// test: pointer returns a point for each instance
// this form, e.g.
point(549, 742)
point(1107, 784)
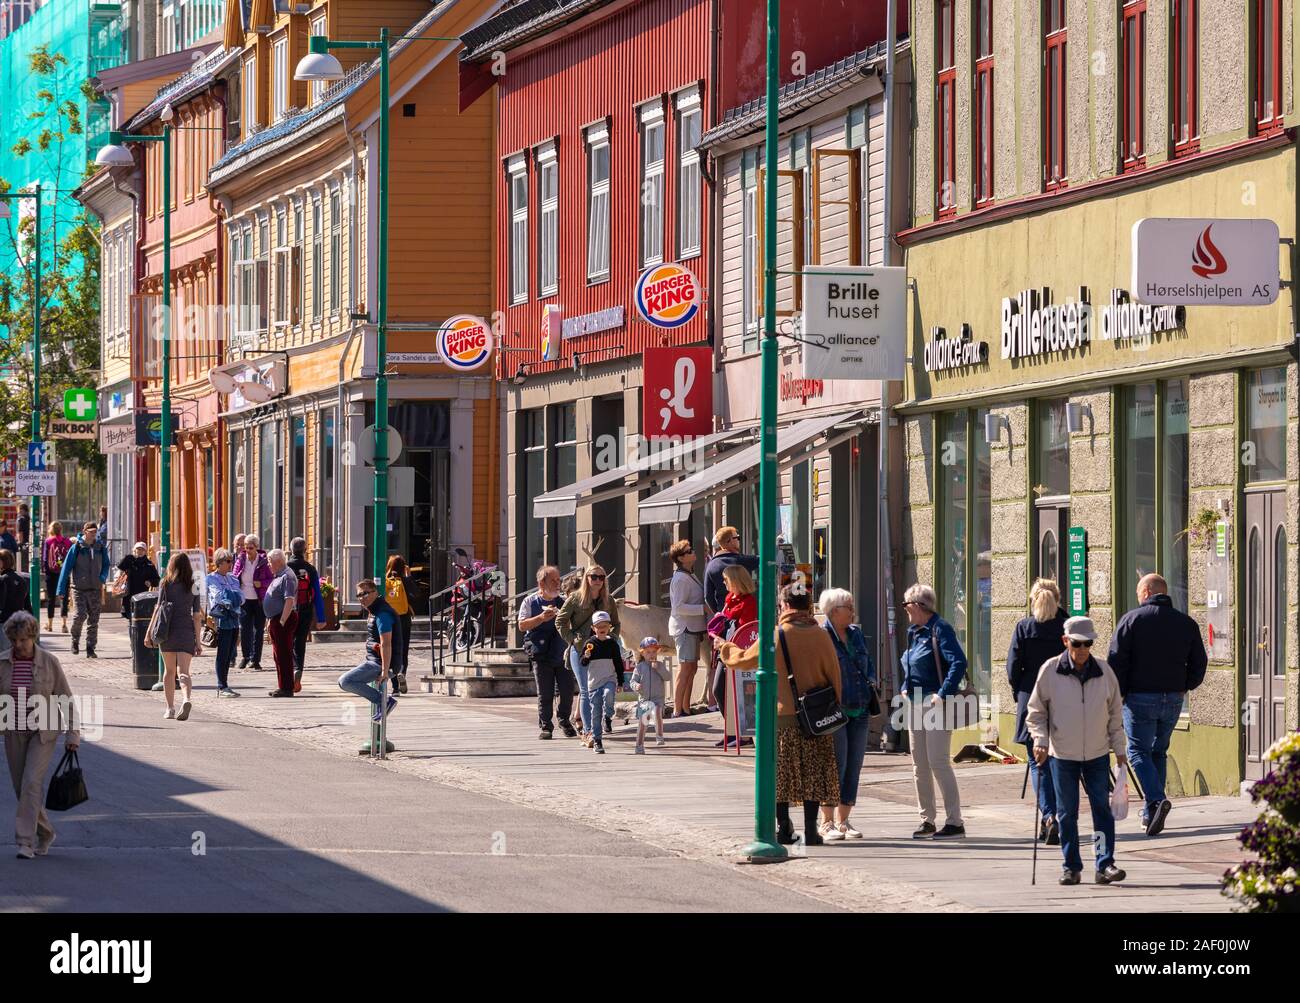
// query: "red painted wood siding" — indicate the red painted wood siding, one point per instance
point(607, 70)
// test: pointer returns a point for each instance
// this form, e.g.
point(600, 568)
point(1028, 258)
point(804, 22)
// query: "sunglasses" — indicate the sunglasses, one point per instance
point(365, 592)
point(1080, 644)
point(595, 578)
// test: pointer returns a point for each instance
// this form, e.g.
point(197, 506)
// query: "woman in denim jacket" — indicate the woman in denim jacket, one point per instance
point(225, 604)
point(857, 678)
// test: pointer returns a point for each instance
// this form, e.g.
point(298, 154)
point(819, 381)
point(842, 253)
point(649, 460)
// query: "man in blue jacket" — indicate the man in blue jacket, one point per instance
point(86, 569)
point(726, 552)
point(1157, 655)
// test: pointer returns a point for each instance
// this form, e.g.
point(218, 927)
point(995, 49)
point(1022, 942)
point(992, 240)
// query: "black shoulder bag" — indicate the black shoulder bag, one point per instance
point(819, 711)
point(67, 786)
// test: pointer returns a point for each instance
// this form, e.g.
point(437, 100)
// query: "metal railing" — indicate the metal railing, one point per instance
point(469, 619)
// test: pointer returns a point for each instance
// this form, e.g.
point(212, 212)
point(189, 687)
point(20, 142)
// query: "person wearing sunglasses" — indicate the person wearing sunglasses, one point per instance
point(381, 622)
point(1076, 717)
point(574, 622)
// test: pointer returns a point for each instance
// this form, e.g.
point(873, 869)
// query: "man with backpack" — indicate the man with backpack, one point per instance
point(310, 605)
point(86, 569)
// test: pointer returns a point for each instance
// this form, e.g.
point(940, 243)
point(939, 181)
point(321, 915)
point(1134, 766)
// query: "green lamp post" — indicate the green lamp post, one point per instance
point(34, 533)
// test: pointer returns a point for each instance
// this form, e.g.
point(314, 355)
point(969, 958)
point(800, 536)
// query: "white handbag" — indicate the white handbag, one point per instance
point(1119, 796)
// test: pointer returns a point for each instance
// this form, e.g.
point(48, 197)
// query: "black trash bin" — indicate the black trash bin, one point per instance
point(144, 659)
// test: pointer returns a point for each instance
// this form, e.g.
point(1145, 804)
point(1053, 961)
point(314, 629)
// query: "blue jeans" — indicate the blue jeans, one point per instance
point(850, 748)
point(1041, 778)
point(1149, 719)
point(227, 640)
point(584, 698)
point(601, 696)
point(1095, 774)
point(358, 681)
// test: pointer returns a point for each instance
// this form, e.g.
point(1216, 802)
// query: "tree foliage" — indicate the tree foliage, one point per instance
point(69, 293)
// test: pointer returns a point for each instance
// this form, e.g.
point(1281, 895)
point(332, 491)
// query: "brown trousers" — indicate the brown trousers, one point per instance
point(29, 762)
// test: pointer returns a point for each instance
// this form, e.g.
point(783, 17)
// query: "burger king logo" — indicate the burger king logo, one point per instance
point(668, 295)
point(465, 342)
point(552, 332)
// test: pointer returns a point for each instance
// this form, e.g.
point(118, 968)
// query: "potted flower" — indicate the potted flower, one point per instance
point(330, 596)
point(1271, 882)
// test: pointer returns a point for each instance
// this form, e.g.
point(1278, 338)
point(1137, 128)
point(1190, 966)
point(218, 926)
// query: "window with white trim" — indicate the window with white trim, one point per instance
point(856, 138)
point(548, 221)
point(298, 274)
point(598, 195)
point(282, 269)
point(317, 259)
point(517, 184)
point(689, 118)
point(749, 241)
point(317, 87)
point(249, 85)
point(244, 277)
point(263, 273)
point(336, 250)
point(652, 183)
point(279, 78)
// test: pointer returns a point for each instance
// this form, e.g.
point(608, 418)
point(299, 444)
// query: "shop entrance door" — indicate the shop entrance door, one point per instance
point(1265, 618)
point(1051, 530)
point(419, 532)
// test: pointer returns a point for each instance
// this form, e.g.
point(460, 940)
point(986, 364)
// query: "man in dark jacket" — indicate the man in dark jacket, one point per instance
point(1157, 655)
point(85, 570)
point(547, 652)
point(726, 552)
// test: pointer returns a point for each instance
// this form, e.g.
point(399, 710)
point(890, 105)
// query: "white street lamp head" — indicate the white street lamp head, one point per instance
point(114, 155)
point(318, 66)
point(167, 113)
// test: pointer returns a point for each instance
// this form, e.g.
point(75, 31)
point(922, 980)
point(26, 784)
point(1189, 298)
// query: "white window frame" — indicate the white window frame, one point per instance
point(317, 258)
point(650, 190)
point(250, 95)
point(516, 168)
point(749, 247)
point(336, 249)
point(598, 193)
point(243, 275)
point(548, 221)
point(689, 175)
point(282, 271)
point(318, 87)
point(279, 78)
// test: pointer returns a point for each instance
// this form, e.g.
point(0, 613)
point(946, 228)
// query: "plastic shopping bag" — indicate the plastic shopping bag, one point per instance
point(647, 712)
point(1119, 796)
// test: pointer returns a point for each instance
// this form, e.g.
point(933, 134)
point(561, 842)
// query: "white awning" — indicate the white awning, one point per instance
point(660, 462)
point(794, 443)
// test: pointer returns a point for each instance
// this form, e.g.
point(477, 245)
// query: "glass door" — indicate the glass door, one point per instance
point(1265, 616)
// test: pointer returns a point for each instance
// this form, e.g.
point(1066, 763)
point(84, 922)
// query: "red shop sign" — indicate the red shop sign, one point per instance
point(678, 395)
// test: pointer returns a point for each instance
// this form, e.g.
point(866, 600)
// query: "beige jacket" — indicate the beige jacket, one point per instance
point(1077, 720)
point(48, 679)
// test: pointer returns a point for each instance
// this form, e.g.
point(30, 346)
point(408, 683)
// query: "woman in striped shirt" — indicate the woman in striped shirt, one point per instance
point(30, 675)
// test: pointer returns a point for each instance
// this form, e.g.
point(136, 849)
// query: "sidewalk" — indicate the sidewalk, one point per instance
point(698, 803)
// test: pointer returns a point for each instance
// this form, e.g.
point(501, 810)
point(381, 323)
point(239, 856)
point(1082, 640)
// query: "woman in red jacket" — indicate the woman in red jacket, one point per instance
point(740, 607)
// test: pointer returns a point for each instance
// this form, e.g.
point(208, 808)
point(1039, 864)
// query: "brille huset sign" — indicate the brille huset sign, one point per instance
point(1206, 262)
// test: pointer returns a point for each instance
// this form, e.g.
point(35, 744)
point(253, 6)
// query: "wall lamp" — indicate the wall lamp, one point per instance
point(1074, 415)
point(521, 374)
point(577, 364)
point(993, 427)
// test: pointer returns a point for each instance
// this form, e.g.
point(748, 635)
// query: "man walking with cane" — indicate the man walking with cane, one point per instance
point(1076, 716)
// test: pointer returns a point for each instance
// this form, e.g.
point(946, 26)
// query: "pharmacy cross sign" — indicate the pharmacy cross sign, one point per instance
point(79, 404)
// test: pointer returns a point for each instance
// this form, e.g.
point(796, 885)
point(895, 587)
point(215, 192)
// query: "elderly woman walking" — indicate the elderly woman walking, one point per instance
point(933, 668)
point(857, 682)
point(26, 672)
point(574, 624)
point(686, 622)
point(1036, 639)
point(805, 767)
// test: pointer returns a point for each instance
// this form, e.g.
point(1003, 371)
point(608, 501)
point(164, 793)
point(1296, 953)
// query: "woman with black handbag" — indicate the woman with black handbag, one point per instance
point(808, 712)
point(30, 671)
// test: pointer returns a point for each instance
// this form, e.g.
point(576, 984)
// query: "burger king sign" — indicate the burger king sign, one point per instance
point(668, 295)
point(465, 342)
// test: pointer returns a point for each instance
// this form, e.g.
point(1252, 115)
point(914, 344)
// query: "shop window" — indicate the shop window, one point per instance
point(1153, 488)
point(298, 470)
point(945, 116)
point(517, 191)
point(1133, 86)
point(801, 512)
point(1268, 66)
point(1264, 451)
point(532, 531)
point(1054, 40)
point(564, 431)
point(651, 188)
point(980, 560)
point(267, 476)
point(598, 195)
point(1051, 449)
point(983, 111)
point(951, 539)
point(325, 529)
point(1186, 133)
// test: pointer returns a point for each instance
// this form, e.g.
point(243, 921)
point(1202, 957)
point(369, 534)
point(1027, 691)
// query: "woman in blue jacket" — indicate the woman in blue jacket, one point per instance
point(933, 668)
point(1036, 639)
point(225, 604)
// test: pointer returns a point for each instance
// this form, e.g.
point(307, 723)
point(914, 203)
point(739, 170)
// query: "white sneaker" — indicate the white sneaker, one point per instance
point(185, 711)
point(659, 742)
point(847, 831)
point(829, 832)
point(169, 714)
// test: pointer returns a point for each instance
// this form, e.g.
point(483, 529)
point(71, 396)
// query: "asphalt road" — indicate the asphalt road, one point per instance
point(209, 816)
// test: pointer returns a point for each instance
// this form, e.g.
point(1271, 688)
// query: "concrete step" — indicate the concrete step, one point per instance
point(489, 672)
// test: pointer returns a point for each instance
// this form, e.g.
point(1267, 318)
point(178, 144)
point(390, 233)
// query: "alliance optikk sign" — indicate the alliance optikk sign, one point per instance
point(854, 323)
